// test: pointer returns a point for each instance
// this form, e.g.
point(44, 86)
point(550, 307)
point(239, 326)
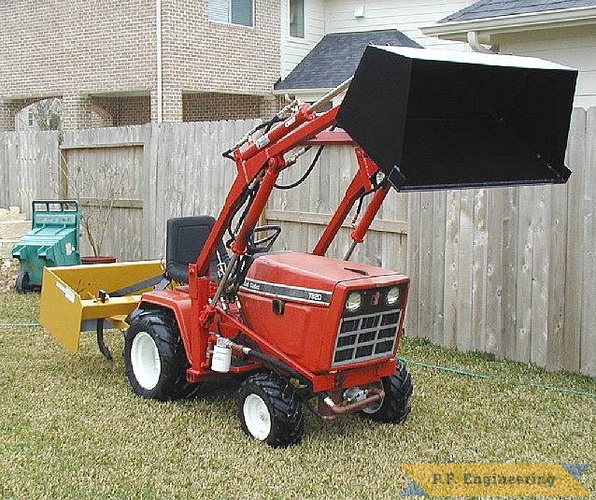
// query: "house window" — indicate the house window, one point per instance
point(232, 11)
point(297, 18)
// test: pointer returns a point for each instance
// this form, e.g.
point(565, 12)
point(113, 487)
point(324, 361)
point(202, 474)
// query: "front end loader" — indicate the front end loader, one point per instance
point(304, 330)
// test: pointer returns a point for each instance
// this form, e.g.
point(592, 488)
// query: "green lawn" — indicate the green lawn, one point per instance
point(70, 427)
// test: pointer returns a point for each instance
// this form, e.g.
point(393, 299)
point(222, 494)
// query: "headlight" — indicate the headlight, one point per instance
point(393, 295)
point(354, 302)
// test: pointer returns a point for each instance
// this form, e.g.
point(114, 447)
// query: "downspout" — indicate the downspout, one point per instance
point(159, 62)
point(475, 44)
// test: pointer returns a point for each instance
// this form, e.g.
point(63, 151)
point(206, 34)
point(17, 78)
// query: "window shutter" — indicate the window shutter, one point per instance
point(219, 10)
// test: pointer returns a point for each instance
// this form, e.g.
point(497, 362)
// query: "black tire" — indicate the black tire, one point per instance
point(154, 357)
point(270, 410)
point(22, 282)
point(397, 404)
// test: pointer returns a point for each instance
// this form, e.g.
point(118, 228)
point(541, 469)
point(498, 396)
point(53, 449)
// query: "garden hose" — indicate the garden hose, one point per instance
point(486, 377)
point(17, 325)
point(443, 368)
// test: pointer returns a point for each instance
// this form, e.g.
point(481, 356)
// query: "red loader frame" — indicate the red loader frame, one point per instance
point(199, 313)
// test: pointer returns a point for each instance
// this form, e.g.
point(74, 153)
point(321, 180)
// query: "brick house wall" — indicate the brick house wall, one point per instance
point(132, 110)
point(210, 62)
point(75, 49)
point(99, 58)
point(209, 106)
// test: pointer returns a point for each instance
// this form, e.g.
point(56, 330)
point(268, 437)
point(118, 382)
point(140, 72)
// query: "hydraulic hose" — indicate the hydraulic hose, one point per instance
point(270, 361)
point(306, 174)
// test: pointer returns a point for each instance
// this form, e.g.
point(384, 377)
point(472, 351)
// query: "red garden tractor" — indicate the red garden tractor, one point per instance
point(307, 330)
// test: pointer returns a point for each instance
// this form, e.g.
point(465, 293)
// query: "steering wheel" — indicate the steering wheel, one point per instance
point(257, 244)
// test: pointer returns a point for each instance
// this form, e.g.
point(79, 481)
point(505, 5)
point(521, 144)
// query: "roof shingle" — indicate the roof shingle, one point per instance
point(335, 58)
point(498, 8)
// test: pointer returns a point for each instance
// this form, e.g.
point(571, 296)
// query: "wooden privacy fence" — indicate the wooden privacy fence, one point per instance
point(508, 271)
point(28, 162)
point(177, 169)
point(511, 271)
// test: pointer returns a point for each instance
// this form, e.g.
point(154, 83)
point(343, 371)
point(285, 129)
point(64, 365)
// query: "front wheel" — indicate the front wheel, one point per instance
point(270, 410)
point(397, 404)
point(154, 357)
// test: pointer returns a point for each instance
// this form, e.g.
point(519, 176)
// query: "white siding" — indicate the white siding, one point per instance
point(293, 50)
point(404, 15)
point(575, 47)
point(337, 16)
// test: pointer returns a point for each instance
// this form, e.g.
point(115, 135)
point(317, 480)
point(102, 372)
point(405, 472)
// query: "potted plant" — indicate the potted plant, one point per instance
point(97, 189)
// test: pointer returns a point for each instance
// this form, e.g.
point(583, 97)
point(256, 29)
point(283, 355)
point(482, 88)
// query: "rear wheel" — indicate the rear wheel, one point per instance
point(22, 282)
point(397, 404)
point(154, 357)
point(270, 410)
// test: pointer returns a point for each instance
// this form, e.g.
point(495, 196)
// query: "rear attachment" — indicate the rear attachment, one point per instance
point(86, 298)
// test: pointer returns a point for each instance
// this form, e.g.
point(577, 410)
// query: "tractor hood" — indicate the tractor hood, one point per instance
point(306, 277)
point(433, 119)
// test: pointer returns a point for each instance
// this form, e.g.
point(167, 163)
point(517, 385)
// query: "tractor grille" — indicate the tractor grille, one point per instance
point(367, 336)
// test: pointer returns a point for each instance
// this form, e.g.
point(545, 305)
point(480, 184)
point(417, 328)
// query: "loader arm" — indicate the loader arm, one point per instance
point(258, 167)
point(255, 164)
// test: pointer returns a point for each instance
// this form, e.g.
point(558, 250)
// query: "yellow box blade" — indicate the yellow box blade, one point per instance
point(70, 300)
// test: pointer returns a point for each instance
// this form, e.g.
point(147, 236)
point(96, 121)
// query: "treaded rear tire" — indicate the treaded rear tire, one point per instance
point(397, 404)
point(22, 282)
point(154, 357)
point(279, 406)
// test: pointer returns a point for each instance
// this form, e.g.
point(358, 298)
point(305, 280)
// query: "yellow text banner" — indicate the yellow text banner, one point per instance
point(495, 480)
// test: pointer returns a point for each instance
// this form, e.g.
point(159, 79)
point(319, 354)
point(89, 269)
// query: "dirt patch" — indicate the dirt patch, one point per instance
point(9, 268)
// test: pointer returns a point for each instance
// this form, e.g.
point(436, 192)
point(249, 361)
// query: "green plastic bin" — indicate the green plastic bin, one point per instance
point(53, 241)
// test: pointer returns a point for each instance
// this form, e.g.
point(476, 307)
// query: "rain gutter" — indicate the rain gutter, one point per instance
point(563, 18)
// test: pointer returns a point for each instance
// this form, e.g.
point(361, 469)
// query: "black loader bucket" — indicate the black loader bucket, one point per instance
point(444, 119)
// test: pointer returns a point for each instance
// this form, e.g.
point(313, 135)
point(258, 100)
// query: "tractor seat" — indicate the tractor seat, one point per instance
point(185, 238)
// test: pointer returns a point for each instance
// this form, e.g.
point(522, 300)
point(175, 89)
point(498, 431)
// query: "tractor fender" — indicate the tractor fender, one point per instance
point(176, 304)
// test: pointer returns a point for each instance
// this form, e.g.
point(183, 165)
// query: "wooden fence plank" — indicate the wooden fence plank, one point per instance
point(587, 343)
point(465, 265)
point(437, 305)
point(495, 271)
point(5, 138)
point(413, 265)
point(575, 244)
point(150, 193)
point(541, 263)
point(452, 284)
point(510, 269)
point(557, 279)
point(479, 270)
point(523, 327)
point(426, 272)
